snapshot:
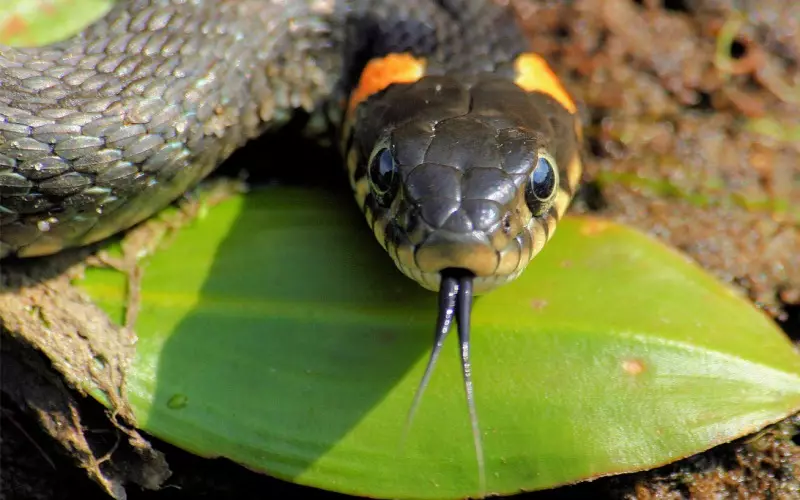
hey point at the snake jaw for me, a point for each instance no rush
(455, 303)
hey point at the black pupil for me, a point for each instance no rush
(543, 179)
(382, 171)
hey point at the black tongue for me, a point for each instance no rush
(455, 302)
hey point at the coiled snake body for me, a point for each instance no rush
(461, 147)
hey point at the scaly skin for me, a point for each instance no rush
(103, 130)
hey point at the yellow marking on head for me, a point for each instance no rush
(347, 130)
(405, 256)
(562, 202)
(510, 260)
(352, 165)
(361, 190)
(535, 75)
(574, 171)
(578, 130)
(552, 223)
(379, 73)
(539, 238)
(379, 229)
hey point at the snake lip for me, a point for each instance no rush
(493, 259)
(453, 254)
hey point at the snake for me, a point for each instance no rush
(460, 144)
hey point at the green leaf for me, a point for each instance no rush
(274, 331)
(39, 22)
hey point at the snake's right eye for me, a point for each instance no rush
(383, 176)
(542, 187)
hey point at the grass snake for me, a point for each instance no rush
(461, 147)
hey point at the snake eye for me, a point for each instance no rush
(383, 176)
(542, 185)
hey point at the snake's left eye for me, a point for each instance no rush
(542, 185)
(383, 176)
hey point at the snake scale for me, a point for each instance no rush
(461, 147)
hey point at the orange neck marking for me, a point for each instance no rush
(535, 75)
(381, 72)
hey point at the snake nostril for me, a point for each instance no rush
(507, 223)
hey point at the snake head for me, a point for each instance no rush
(465, 174)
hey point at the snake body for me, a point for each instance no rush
(462, 151)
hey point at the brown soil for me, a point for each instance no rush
(692, 135)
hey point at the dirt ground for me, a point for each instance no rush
(692, 112)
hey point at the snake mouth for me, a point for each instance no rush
(493, 258)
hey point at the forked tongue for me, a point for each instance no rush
(455, 303)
